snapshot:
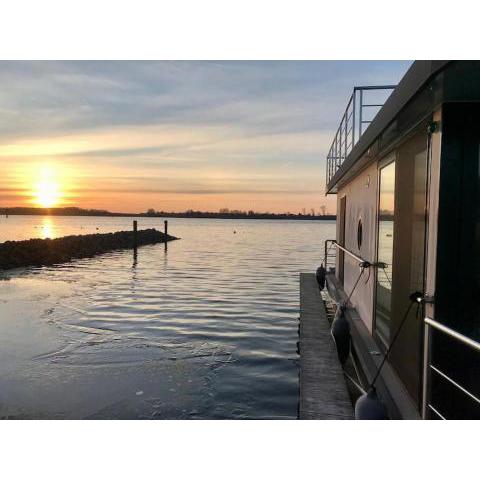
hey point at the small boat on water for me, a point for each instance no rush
(407, 247)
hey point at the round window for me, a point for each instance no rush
(359, 233)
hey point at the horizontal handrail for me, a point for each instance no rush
(364, 263)
(453, 333)
(469, 342)
(375, 87)
(455, 384)
(356, 257)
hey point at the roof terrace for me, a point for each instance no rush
(364, 103)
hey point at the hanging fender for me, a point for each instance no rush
(340, 331)
(369, 407)
(321, 274)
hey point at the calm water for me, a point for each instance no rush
(205, 329)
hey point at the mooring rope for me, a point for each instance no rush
(414, 298)
(355, 383)
(345, 304)
(386, 274)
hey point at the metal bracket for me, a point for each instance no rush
(432, 127)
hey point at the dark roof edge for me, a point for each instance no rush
(416, 77)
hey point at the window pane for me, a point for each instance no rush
(385, 250)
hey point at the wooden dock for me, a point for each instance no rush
(323, 391)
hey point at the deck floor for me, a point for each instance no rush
(323, 391)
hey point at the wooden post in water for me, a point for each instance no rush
(135, 234)
(165, 230)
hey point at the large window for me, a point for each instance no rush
(383, 304)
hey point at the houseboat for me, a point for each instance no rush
(405, 264)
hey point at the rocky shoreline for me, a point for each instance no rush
(39, 252)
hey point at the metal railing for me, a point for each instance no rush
(352, 125)
(348, 252)
(427, 404)
(330, 259)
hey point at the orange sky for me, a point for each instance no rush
(78, 169)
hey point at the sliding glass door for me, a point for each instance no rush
(401, 248)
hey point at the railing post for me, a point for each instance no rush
(341, 143)
(327, 173)
(426, 370)
(360, 111)
(353, 116)
(336, 148)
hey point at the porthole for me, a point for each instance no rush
(359, 233)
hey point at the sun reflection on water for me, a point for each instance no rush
(47, 230)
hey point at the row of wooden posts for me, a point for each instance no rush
(135, 229)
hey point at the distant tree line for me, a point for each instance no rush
(70, 211)
(222, 213)
(250, 214)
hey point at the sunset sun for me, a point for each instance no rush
(46, 191)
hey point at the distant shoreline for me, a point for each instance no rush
(79, 212)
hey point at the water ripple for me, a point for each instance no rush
(204, 329)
